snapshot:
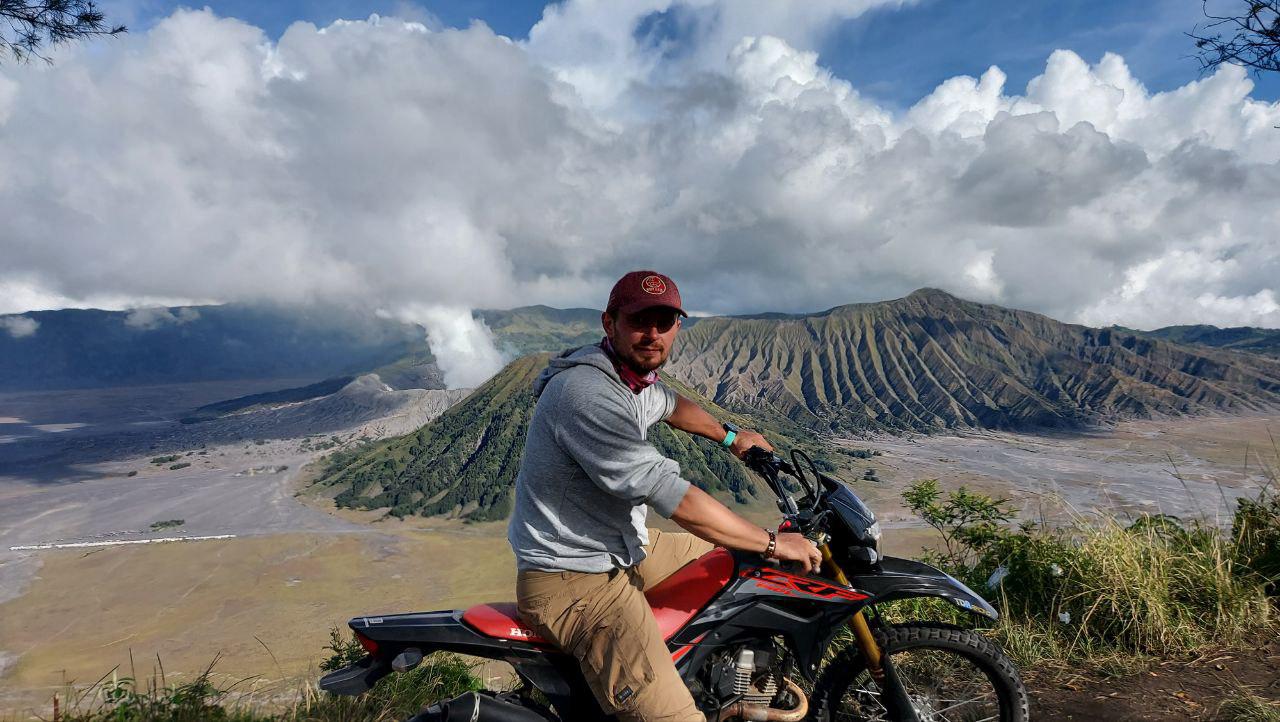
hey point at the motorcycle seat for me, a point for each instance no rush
(674, 601)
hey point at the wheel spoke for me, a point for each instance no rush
(943, 685)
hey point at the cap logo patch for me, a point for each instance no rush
(654, 285)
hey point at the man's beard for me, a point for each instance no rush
(642, 365)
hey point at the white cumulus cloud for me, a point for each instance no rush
(384, 163)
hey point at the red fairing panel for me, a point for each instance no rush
(682, 595)
(674, 602)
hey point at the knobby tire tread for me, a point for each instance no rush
(845, 667)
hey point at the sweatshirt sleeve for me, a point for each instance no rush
(604, 436)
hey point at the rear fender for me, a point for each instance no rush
(906, 578)
(357, 678)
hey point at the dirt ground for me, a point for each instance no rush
(1185, 689)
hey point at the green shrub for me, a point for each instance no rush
(859, 453)
(1103, 591)
(1256, 528)
(968, 523)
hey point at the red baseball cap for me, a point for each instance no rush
(639, 290)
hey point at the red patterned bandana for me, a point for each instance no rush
(633, 380)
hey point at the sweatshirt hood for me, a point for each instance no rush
(589, 355)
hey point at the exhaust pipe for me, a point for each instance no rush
(474, 707)
(761, 713)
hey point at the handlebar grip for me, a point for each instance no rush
(758, 455)
(759, 459)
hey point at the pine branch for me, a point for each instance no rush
(27, 28)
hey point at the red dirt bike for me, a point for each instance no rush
(748, 636)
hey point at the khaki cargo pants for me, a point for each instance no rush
(604, 621)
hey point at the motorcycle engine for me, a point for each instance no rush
(755, 687)
(749, 673)
(750, 682)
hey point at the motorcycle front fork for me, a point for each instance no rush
(892, 693)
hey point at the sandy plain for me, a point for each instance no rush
(262, 603)
(1192, 468)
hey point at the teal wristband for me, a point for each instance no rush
(728, 440)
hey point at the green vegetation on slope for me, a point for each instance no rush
(462, 463)
(465, 462)
(1245, 706)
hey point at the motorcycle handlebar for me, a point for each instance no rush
(766, 462)
(768, 465)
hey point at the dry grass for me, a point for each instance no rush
(1245, 706)
(236, 598)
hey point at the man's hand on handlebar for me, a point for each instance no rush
(746, 439)
(792, 547)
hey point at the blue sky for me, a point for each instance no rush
(895, 56)
(900, 55)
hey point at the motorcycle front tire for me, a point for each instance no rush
(848, 668)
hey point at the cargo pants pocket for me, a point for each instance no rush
(617, 666)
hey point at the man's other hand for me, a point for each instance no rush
(793, 547)
(746, 439)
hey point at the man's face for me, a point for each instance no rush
(643, 340)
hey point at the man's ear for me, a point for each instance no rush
(607, 322)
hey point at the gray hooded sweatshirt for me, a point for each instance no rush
(589, 474)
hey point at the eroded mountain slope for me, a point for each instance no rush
(931, 361)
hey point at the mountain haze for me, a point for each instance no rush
(1239, 338)
(89, 348)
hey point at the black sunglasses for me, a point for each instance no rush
(662, 319)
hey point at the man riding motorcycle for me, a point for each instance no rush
(587, 479)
